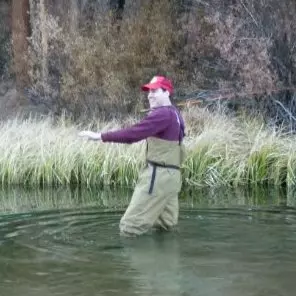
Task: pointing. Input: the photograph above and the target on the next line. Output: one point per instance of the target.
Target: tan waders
(155, 199)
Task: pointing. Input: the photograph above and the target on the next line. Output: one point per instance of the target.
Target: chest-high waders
(155, 198)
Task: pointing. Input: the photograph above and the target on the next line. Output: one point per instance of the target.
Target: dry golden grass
(221, 151)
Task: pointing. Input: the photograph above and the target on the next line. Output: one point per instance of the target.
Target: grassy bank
(221, 151)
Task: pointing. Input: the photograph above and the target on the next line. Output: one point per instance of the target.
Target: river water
(62, 242)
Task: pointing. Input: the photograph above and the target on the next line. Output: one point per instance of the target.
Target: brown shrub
(99, 66)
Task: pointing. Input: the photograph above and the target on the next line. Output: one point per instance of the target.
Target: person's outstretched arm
(156, 121)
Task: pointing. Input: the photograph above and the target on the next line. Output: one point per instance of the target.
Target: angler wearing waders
(155, 199)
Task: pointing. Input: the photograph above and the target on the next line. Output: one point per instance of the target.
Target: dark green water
(67, 243)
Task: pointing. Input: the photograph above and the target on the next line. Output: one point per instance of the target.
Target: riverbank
(222, 150)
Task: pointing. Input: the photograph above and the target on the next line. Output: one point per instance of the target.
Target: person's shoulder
(173, 110)
(177, 114)
(164, 111)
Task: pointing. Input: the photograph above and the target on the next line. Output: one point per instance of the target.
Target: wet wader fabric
(155, 198)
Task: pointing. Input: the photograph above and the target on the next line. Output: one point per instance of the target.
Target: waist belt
(169, 166)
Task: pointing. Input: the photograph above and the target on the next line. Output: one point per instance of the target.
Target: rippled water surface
(227, 243)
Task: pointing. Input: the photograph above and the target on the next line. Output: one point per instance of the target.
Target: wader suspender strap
(180, 127)
(152, 179)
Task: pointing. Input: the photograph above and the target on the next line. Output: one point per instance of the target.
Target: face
(157, 97)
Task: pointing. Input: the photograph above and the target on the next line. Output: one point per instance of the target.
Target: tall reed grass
(221, 150)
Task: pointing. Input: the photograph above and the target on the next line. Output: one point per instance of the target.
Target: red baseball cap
(159, 82)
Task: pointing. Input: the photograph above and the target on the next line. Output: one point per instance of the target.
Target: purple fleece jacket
(161, 122)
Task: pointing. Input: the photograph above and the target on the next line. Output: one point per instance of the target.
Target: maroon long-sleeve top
(163, 122)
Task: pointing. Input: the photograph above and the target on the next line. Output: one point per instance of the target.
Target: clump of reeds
(37, 153)
(221, 151)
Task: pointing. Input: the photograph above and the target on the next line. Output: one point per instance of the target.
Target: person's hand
(90, 135)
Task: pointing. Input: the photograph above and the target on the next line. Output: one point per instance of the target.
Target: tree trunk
(44, 41)
(20, 32)
(74, 16)
(117, 8)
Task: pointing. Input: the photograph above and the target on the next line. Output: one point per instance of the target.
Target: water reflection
(291, 197)
(15, 200)
(157, 262)
(21, 200)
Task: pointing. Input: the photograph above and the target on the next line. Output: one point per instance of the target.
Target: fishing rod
(194, 98)
(198, 97)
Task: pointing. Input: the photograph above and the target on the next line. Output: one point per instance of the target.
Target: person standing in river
(154, 202)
